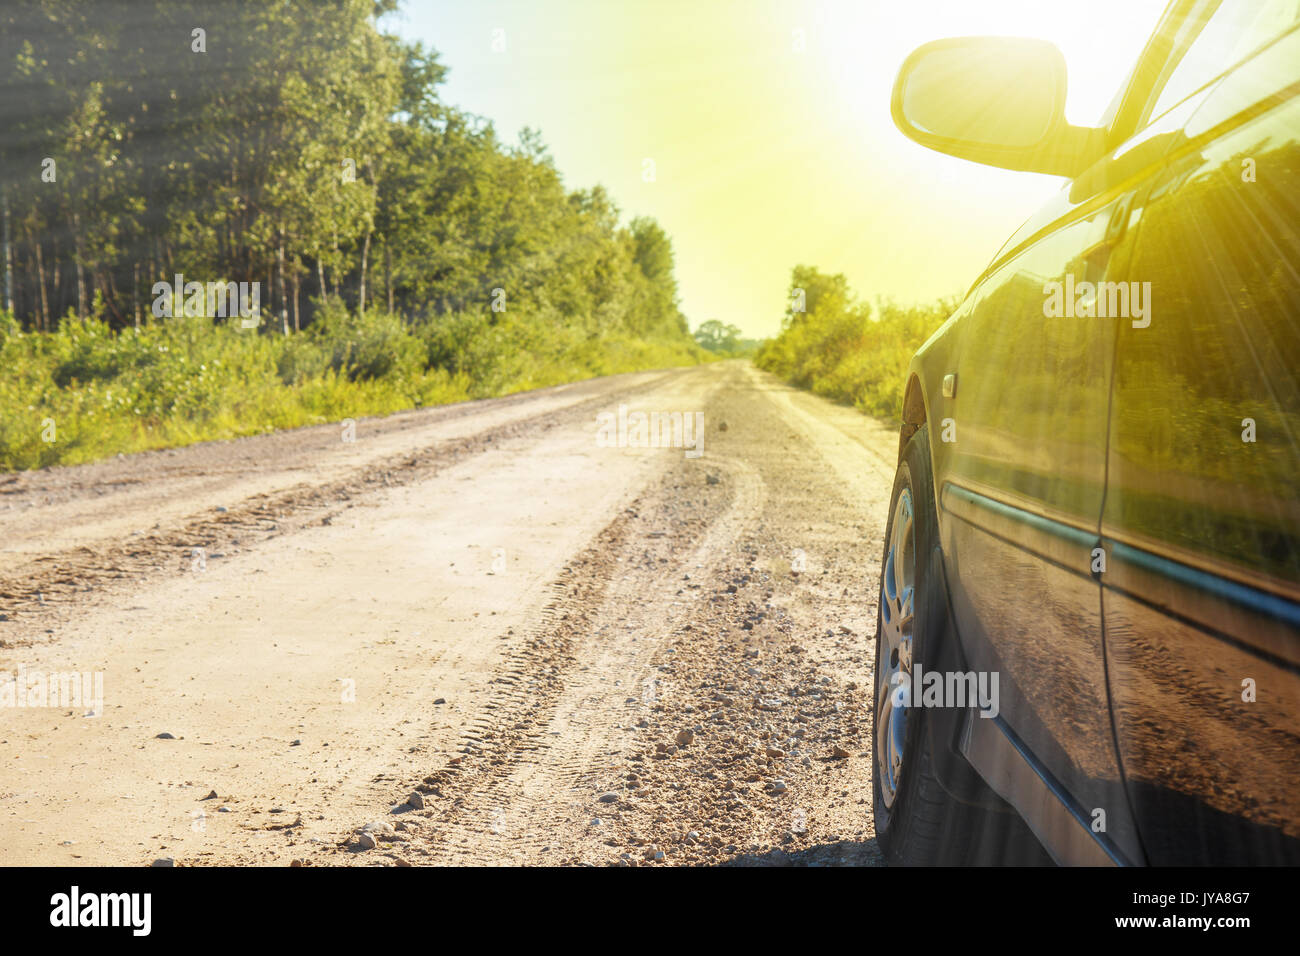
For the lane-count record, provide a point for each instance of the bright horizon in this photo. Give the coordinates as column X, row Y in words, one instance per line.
column 768, row 125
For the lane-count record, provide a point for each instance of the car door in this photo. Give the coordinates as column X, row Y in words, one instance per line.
column 1201, row 523
column 1022, row 446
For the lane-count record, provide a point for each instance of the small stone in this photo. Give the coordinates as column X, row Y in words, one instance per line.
column 684, row 737
column 610, row 797
column 775, row 752
column 416, row 800
column 712, row 479
column 366, row 840
column 163, row 861
column 440, row 700
column 778, row 786
column 164, row 736
column 839, row 752
column 399, row 861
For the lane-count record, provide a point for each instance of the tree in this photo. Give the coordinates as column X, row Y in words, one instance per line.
column 296, row 144
column 718, row 338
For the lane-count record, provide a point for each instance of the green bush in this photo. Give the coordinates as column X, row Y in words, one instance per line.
column 837, row 348
column 183, row 380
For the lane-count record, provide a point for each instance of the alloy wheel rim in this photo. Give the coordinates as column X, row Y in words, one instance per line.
column 897, row 612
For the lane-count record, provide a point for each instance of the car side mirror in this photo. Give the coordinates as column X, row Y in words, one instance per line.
column 999, row 101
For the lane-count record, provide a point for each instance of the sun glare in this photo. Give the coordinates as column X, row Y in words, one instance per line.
column 768, row 122
column 1100, row 43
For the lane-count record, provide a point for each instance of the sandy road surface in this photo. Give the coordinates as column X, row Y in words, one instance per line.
column 571, row 653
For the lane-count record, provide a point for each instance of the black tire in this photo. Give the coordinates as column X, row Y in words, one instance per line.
column 923, row 824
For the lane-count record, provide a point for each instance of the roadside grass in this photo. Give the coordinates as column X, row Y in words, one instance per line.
column 85, row 392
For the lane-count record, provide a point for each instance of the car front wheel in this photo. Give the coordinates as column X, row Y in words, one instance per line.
column 918, row 821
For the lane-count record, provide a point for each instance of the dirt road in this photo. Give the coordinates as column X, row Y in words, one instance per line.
column 478, row 630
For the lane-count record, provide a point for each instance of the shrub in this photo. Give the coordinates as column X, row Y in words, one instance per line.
column 184, row 380
column 837, row 348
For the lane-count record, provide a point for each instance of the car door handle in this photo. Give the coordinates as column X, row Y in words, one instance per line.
column 1117, row 226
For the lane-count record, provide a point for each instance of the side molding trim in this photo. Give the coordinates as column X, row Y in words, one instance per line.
column 1010, row 770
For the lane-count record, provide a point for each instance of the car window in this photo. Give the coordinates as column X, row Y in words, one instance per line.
column 1231, row 31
